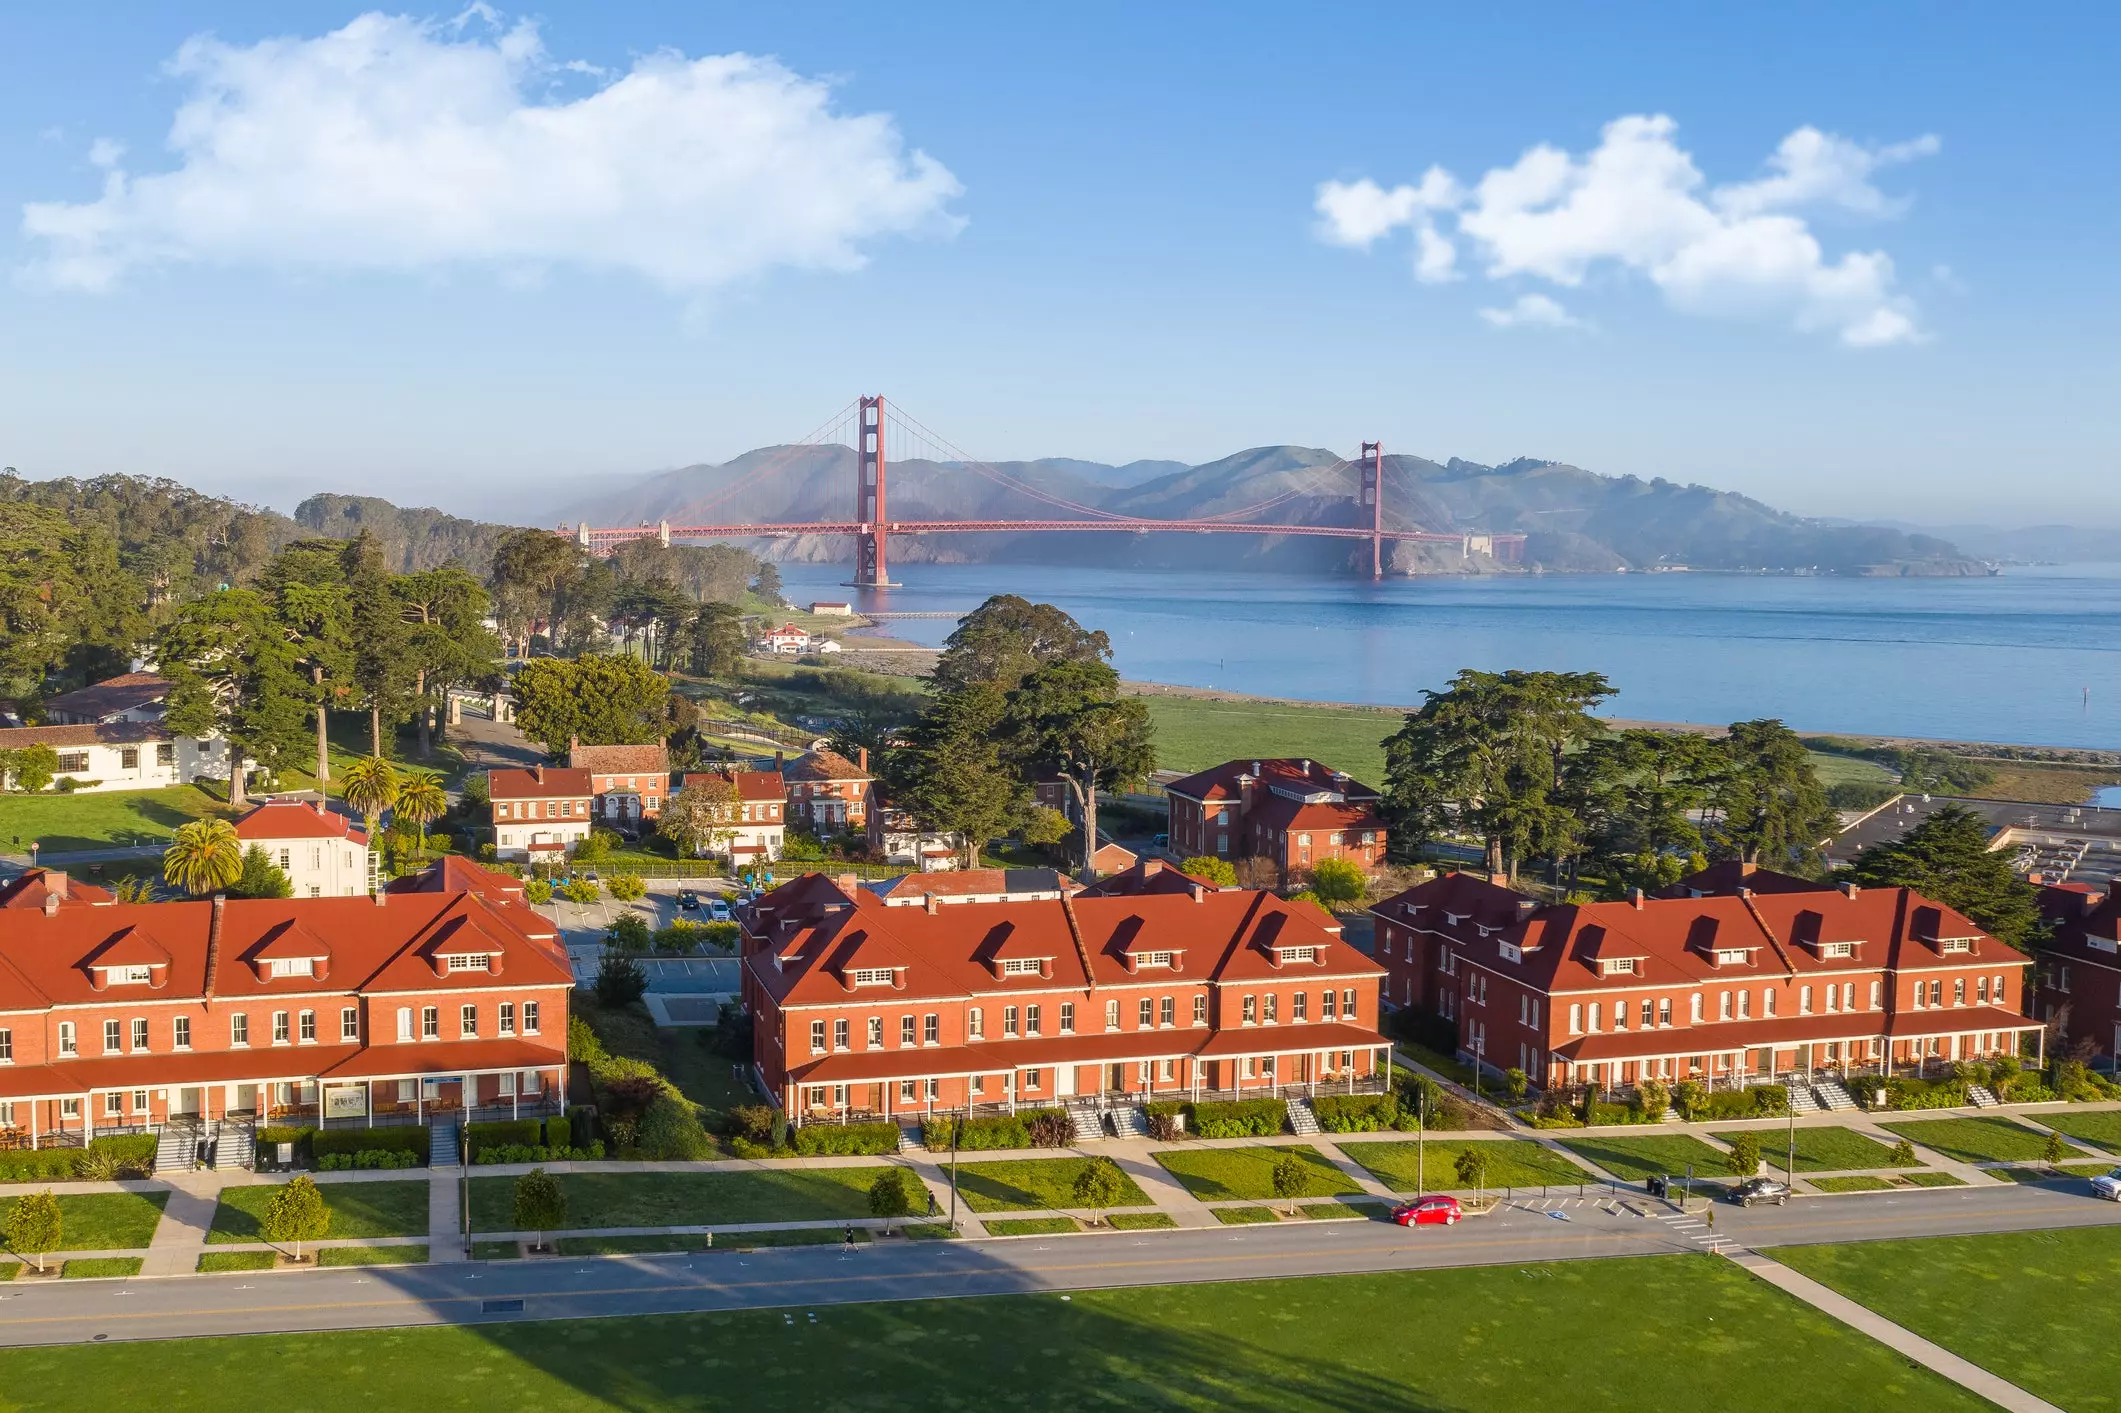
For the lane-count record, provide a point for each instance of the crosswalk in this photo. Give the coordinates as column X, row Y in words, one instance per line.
column 1695, row 1227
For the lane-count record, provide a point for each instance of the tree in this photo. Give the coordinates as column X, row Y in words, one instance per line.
column 1634, row 794
column 34, row 768
column 697, row 818
column 1745, row 1155
column 260, row 877
column 372, row 787
column 1947, row 859
column 133, row 888
column 34, row 1227
column 68, row 608
column 620, row 981
column 204, row 856
column 1004, row 639
column 596, row 700
column 1472, row 1165
column 1904, row 1155
column 1769, row 803
column 1515, row 1084
column 421, row 801
column 1068, row 719
column 950, row 774
column 306, row 583
column 233, row 673
column 532, row 570
column 447, row 642
column 297, row 1214
column 1292, row 1178
column 1485, row 756
column 1099, row 1184
column 540, row 1204
column 767, row 584
column 2055, row 1150
column 1210, row 869
column 1338, row 882
column 714, row 640
column 380, row 640
column 1652, row 1097
column 628, row 934
column 627, row 887
column 891, row 1195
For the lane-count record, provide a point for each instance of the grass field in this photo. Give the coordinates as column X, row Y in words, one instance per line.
column 1834, row 769
column 1141, row 1221
column 1852, row 1184
column 1032, row 1226
column 100, row 1268
column 103, row 1221
column 103, row 819
column 1636, row 1159
column 733, row 1241
column 496, row 1251
column 1821, row 1150
column 1192, row 734
column 371, row 1255
column 1979, row 1140
column 2099, row 1126
column 1512, row 1162
column 2028, row 1305
column 1932, row 1180
column 1032, row 1185
column 1246, row 1216
column 1221, row 1174
column 362, row 1210
column 213, row 1261
column 9, row 1270
column 682, row 1053
column 687, row 1199
column 1340, row 1211
column 2044, row 1173
column 1294, row 1346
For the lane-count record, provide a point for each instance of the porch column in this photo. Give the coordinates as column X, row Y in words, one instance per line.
column 368, row 1087
column 515, row 1097
column 33, row 1104
column 466, row 1088
column 419, row 1102
column 2040, row 1040
column 562, row 1082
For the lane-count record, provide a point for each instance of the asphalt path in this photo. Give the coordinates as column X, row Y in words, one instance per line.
column 489, row 1292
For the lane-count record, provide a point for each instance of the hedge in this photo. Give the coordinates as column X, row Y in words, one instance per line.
column 514, row 1133
column 535, row 1153
column 322, row 1148
column 839, row 1140
column 1357, row 1113
column 132, row 1150
column 397, row 1139
column 977, row 1135
column 1243, row 1118
column 368, row 1160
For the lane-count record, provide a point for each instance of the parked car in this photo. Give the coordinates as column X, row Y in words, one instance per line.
column 2108, row 1185
column 1159, row 843
column 1761, row 1189
column 1429, row 1212
column 719, row 910
column 688, row 900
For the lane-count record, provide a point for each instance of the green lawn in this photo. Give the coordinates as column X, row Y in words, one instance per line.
column 1932, row 1180
column 1821, row 1150
column 1141, row 1221
column 1449, row 1066
column 1835, row 769
column 2099, row 1126
column 371, row 1255
column 2028, row 1306
column 1851, row 1184
column 100, row 1268
column 1979, row 1140
column 9, row 1270
column 2044, row 1173
column 213, row 1261
column 362, row 1210
column 103, row 819
column 496, row 1251
column 1220, row 1174
column 1636, row 1159
column 103, row 1221
column 1032, row 1226
column 1032, row 1185
column 687, row 1199
column 1339, row 1211
column 683, row 1053
column 1193, row 735
column 1512, row 1162
column 1246, row 1216
column 1295, row 1346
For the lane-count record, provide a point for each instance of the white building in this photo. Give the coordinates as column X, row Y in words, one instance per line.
column 131, row 696
column 787, row 639
column 324, row 855
column 123, row 755
column 897, row 837
column 757, row 822
column 538, row 814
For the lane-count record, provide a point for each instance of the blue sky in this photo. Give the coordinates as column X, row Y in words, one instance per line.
column 1109, row 244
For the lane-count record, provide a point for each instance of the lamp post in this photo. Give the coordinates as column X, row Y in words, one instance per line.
column 953, row 1171
column 1421, row 1129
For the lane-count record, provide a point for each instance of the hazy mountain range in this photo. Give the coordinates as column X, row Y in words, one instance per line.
column 1576, row 520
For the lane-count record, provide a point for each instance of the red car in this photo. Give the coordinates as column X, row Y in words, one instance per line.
column 1429, row 1212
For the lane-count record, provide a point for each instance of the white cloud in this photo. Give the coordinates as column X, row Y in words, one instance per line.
column 1435, row 258
column 397, row 144
column 104, row 153
column 1535, row 310
column 1637, row 203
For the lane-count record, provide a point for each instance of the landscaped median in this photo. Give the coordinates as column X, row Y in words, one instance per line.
column 688, row 1199
column 103, row 1221
column 1983, row 1139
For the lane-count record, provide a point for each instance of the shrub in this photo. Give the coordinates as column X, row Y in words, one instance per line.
column 670, row 1132
column 752, row 1122
column 620, row 982
column 1243, row 1118
column 2056, row 1150
column 836, row 1140
column 1691, row 1099
column 44, row 1165
column 628, row 887
column 1745, row 1155
column 522, row 1133
column 1516, row 1084
column 1904, row 1155
column 1652, row 1098
column 1356, row 1113
column 1051, row 1128
column 1335, row 882
column 582, row 1043
column 983, row 1134
column 629, row 933
column 495, row 1154
column 538, row 890
column 369, row 1140
column 579, row 890
column 373, row 1159
column 1292, row 1177
column 273, row 1135
column 1210, row 869
column 1165, row 1118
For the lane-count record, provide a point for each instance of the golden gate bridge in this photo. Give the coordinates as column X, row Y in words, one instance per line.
column 868, row 425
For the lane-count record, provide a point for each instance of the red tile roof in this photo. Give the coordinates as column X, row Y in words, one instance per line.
column 103, row 733
column 126, row 692
column 621, row 760
column 544, row 783
column 291, row 819
column 452, row 873
column 31, row 888
column 1286, row 816
column 752, row 786
column 969, row 882
column 1722, row 1036
column 1732, row 875
column 1224, row 782
column 1146, row 876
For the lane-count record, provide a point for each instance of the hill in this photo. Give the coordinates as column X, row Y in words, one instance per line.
column 412, row 539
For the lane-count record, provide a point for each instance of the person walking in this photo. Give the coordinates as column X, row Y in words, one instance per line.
column 849, row 1246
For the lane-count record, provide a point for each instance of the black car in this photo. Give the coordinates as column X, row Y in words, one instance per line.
column 1761, row 1189
column 689, row 900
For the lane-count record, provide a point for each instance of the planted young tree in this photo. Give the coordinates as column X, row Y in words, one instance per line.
column 1292, row 1179
column 297, row 1214
column 1745, row 1155
column 540, row 1205
column 1904, row 1155
column 204, row 856
column 2055, row 1150
column 627, row 887
column 261, row 877
column 1471, row 1165
column 1210, row 869
column 34, row 1227
column 629, row 934
column 1099, row 1184
column 892, row 1195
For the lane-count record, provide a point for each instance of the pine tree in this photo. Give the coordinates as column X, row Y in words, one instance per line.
column 1947, row 859
column 382, row 658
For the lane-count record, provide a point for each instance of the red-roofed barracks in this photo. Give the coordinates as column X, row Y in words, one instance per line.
column 127, row 1016
column 1295, row 812
column 865, row 1008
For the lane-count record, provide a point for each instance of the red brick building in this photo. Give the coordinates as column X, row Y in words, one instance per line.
column 539, row 814
column 444, row 996
column 829, row 792
column 1749, row 984
column 628, row 783
column 2079, row 984
column 1293, row 812
column 862, row 1007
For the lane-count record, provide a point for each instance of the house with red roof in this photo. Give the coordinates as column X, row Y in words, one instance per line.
column 49, row 889
column 219, row 1014
column 829, row 793
column 863, row 1007
column 628, row 783
column 1294, row 812
column 1721, row 983
column 539, row 814
column 323, row 853
column 755, row 821
column 2078, row 990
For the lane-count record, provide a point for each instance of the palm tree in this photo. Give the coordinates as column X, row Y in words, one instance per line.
column 204, row 857
column 421, row 802
column 371, row 788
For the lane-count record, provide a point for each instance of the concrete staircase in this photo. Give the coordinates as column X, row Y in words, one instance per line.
column 1982, row 1096
column 1088, row 1124
column 1303, row 1121
column 1128, row 1122
column 1833, row 1096
column 1670, row 1115
column 177, row 1150
column 1801, row 1100
column 442, row 1146
column 235, row 1144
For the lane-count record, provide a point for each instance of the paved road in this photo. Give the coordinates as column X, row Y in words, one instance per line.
column 77, row 1311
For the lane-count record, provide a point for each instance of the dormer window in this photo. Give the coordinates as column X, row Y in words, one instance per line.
column 1452, row 919
column 291, row 966
column 1837, row 949
column 1164, row 959
column 1625, row 966
column 1511, row 952
column 1019, row 966
column 1295, row 954
column 1957, row 944
column 466, row 961
column 129, row 976
column 872, row 976
column 1730, row 956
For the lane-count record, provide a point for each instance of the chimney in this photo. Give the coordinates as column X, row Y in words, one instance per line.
column 1151, row 867
column 318, row 806
column 848, row 884
column 1635, row 899
column 51, row 904
column 780, row 761
column 56, row 884
column 1500, row 880
column 538, row 772
column 1851, row 889
column 213, row 942
column 382, row 897
column 1745, row 870
column 861, row 759
column 932, row 903
column 1199, row 893
column 1255, row 767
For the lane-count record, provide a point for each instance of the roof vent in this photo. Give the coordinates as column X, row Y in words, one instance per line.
column 1851, row 889
column 1635, row 899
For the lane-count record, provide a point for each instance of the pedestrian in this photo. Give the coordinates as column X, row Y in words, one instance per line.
column 850, row 1238
column 1712, row 1217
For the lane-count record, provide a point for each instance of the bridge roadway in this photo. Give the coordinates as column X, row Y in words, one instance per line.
column 809, row 1277
column 604, row 536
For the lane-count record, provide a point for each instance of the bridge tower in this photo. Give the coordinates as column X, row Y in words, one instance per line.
column 871, row 563
column 1373, row 496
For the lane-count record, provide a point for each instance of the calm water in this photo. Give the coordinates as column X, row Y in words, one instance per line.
column 1992, row 659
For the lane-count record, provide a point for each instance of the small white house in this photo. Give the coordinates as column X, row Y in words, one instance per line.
column 539, row 814
column 323, row 854
column 123, row 755
column 787, row 639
